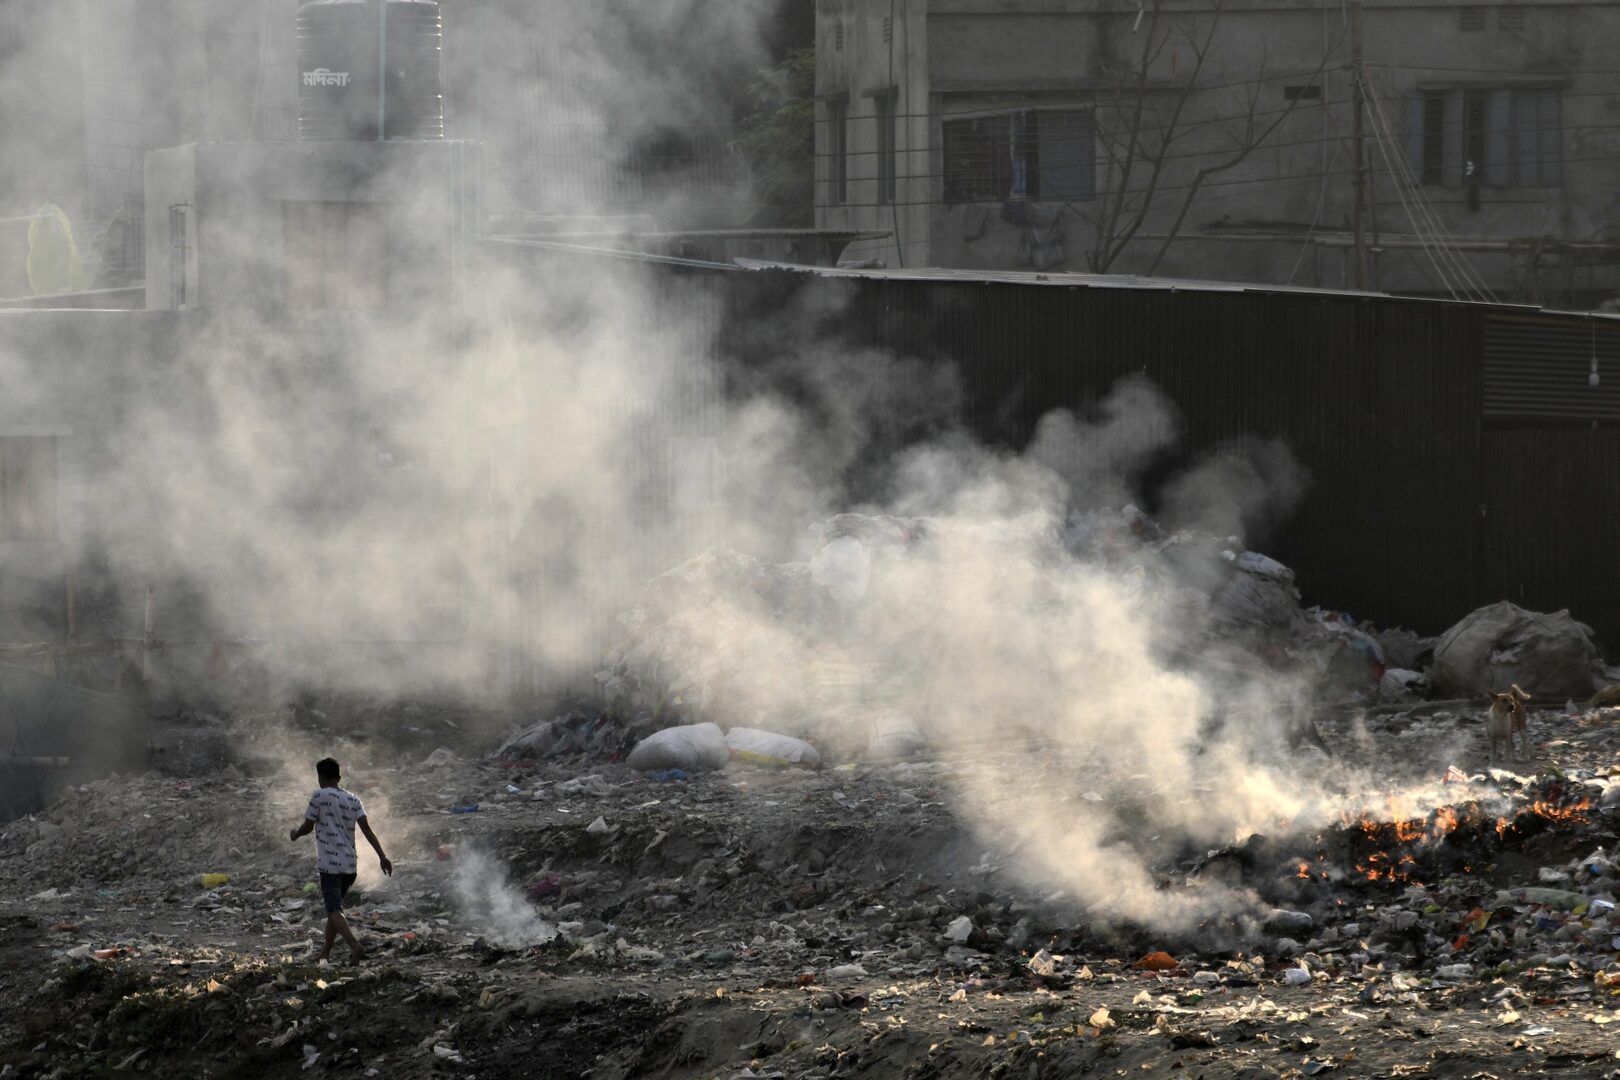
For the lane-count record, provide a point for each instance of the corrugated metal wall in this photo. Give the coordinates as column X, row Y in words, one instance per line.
column 1418, row 510
column 1538, row 367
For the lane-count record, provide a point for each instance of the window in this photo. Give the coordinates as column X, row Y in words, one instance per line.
column 1510, row 18
column 1037, row 154
column 1503, row 137
column 885, row 103
column 179, row 257
column 838, row 37
column 837, row 151
column 336, row 255
column 1470, row 19
column 27, row 488
column 888, row 29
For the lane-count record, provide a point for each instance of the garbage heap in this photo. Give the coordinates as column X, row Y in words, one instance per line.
column 788, row 647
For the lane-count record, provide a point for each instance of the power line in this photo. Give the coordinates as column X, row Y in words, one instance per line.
column 1401, row 172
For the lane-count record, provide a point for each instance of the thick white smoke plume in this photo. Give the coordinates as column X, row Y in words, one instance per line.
column 435, row 498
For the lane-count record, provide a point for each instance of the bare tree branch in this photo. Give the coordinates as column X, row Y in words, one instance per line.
column 1251, row 142
column 1136, row 154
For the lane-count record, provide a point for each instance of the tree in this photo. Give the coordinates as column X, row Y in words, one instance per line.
column 1149, row 128
column 779, row 142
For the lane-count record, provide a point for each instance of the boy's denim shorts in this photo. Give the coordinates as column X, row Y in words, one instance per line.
column 334, row 887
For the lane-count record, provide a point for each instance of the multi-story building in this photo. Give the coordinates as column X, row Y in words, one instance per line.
column 1210, row 139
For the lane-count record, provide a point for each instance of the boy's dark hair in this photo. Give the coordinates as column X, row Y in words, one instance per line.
column 327, row 769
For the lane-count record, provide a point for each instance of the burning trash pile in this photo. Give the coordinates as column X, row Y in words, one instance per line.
column 1512, row 875
column 808, row 648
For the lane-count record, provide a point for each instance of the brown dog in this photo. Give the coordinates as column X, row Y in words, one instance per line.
column 1506, row 719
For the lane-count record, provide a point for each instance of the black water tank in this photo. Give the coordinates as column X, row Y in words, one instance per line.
column 340, row 45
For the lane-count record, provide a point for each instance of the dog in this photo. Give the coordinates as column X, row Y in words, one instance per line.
column 1506, row 719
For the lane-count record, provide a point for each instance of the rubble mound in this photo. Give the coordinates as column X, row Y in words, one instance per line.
column 1549, row 655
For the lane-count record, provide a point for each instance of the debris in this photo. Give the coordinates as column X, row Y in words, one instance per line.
column 895, row 737
column 766, row 748
column 1288, row 922
column 667, row 775
column 593, row 784
column 1400, row 684
column 1157, row 961
column 439, row 758
column 214, row 881
column 960, row 929
column 691, row 747
column 1550, row 655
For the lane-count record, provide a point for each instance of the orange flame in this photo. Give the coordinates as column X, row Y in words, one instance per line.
column 1445, row 820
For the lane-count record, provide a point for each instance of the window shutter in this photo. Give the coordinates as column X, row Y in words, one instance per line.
column 1452, row 159
column 1552, row 154
column 1414, row 135
column 1498, row 165
column 1526, row 144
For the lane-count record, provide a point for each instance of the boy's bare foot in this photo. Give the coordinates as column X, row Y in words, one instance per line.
column 355, row 956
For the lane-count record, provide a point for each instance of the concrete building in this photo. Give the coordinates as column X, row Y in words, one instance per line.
column 299, row 227
column 90, row 88
column 1188, row 138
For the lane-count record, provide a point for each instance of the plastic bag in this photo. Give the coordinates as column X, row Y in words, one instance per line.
column 690, row 747
column 769, row 748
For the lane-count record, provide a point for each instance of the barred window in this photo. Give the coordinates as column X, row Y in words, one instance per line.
column 1028, row 154
column 1500, row 137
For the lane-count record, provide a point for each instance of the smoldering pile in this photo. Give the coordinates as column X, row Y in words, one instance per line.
column 808, row 648
column 1504, row 865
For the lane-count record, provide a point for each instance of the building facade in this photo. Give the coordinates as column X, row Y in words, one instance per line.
column 1190, row 138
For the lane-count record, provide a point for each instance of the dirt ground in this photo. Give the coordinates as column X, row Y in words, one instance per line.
column 799, row 924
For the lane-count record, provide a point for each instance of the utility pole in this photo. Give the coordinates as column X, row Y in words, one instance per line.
column 1358, row 257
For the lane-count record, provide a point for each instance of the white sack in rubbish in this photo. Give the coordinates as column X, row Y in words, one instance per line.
column 1401, row 684
column 1549, row 656
column 895, row 737
column 691, row 747
column 769, row 748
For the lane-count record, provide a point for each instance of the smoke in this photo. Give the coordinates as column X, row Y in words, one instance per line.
column 1243, row 488
column 488, row 901
column 472, row 482
column 1102, row 459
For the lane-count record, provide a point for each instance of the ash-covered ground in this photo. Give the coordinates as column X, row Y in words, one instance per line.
column 856, row 920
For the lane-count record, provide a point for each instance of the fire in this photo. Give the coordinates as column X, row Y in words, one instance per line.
column 1562, row 814
column 1445, row 820
column 1304, row 870
column 1393, row 849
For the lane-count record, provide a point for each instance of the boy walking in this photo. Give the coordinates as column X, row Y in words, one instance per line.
column 332, row 815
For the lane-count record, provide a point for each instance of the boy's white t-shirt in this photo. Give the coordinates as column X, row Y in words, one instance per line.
column 334, row 812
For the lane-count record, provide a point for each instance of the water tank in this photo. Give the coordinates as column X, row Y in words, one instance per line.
column 342, row 44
